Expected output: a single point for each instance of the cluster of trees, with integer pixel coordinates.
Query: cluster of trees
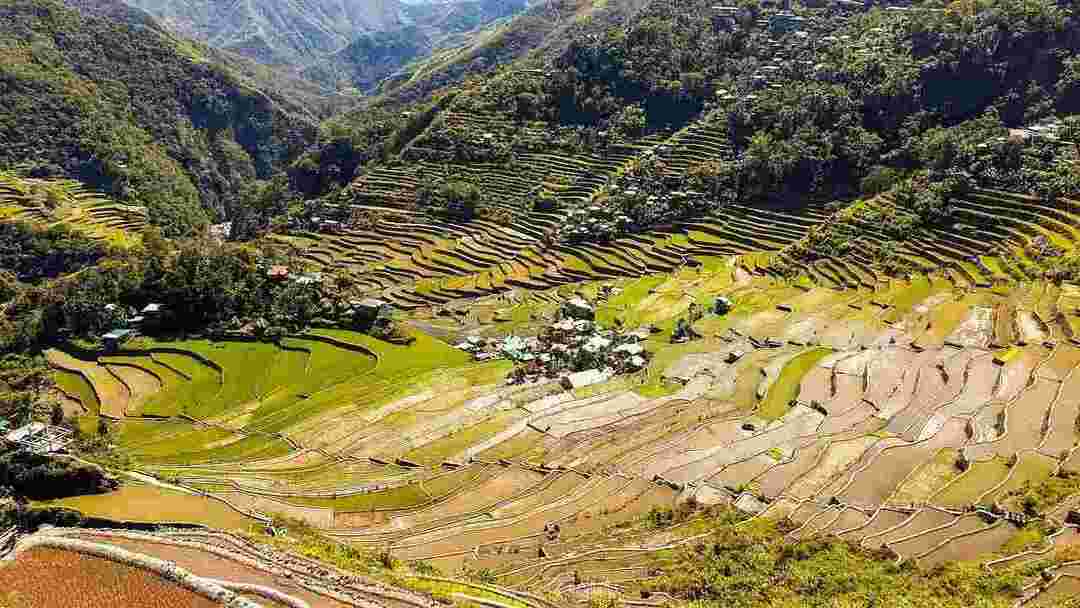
(347, 143)
(458, 197)
(135, 113)
(30, 253)
(204, 284)
(45, 477)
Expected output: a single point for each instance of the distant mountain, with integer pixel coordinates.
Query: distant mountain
(276, 31)
(339, 43)
(372, 57)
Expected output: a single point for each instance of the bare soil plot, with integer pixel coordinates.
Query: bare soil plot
(147, 503)
(1024, 418)
(966, 489)
(928, 479)
(744, 472)
(577, 512)
(972, 546)
(477, 500)
(838, 458)
(888, 373)
(33, 581)
(849, 519)
(208, 565)
(270, 507)
(141, 384)
(918, 545)
(980, 378)
(873, 485)
(1061, 363)
(881, 521)
(937, 386)
(924, 520)
(799, 422)
(777, 479)
(1061, 434)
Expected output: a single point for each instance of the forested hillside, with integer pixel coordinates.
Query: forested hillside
(806, 106)
(135, 112)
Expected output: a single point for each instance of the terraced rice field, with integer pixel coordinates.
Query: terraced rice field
(51, 202)
(884, 410)
(885, 416)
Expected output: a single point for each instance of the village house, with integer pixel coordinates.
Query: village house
(277, 272)
(220, 232)
(40, 438)
(309, 278)
(113, 340)
(370, 310)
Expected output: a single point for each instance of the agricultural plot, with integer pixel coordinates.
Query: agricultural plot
(88, 582)
(895, 416)
(51, 202)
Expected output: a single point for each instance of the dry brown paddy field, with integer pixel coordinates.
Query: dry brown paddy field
(894, 415)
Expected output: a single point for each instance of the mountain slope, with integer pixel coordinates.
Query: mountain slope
(135, 112)
(276, 31)
(338, 43)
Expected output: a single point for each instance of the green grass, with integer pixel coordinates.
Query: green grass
(460, 440)
(447, 590)
(1029, 470)
(410, 495)
(1007, 355)
(269, 390)
(979, 478)
(786, 388)
(752, 565)
(147, 503)
(79, 387)
(908, 295)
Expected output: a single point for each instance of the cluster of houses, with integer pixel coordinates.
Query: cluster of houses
(633, 201)
(573, 349)
(280, 273)
(150, 318)
(1048, 130)
(369, 314)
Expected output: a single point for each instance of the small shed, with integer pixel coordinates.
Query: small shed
(584, 378)
(40, 438)
(153, 309)
(371, 309)
(278, 272)
(116, 337)
(578, 308)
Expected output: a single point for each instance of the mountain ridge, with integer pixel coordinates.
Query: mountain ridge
(338, 43)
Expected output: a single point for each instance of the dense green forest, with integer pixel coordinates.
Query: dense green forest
(132, 111)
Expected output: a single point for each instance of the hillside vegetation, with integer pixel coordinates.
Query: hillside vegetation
(614, 304)
(135, 113)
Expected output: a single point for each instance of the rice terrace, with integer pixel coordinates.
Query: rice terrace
(927, 417)
(499, 304)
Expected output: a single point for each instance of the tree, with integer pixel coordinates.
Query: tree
(631, 121)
